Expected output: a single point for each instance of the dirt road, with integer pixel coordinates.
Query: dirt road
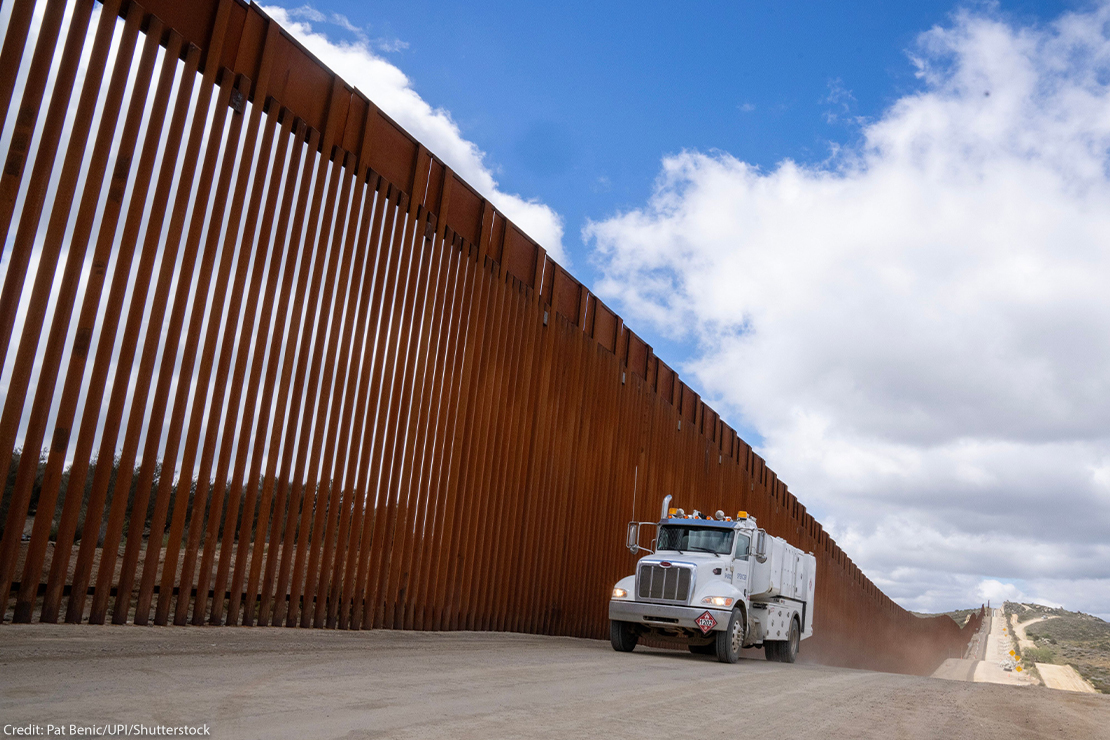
(1064, 678)
(1019, 629)
(292, 683)
(1000, 643)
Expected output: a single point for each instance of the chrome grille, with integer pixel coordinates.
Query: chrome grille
(656, 583)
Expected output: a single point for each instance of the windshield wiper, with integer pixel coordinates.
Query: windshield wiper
(706, 549)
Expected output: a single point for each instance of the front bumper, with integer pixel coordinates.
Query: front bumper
(665, 615)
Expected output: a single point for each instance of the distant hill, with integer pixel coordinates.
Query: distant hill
(1064, 637)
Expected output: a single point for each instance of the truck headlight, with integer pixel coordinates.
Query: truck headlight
(717, 600)
(619, 593)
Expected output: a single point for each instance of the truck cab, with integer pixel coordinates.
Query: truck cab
(718, 583)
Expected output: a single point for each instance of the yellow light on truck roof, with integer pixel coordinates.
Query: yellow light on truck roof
(741, 515)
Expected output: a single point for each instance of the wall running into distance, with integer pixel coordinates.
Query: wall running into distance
(286, 368)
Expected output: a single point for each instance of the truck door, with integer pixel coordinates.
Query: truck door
(741, 563)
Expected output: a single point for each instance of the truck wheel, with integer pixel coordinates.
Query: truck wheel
(788, 652)
(622, 637)
(771, 647)
(710, 649)
(729, 641)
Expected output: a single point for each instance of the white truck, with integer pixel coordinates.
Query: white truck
(719, 584)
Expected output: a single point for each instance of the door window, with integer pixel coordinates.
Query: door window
(743, 542)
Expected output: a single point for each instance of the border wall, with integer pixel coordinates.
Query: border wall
(285, 367)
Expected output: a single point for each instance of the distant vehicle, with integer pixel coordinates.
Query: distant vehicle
(718, 583)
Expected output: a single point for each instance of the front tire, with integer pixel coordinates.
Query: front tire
(730, 641)
(622, 637)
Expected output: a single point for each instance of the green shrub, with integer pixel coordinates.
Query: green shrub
(1039, 655)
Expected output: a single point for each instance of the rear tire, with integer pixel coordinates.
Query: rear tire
(771, 647)
(622, 637)
(788, 653)
(729, 642)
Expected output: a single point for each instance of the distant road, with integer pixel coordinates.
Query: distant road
(1019, 629)
(294, 683)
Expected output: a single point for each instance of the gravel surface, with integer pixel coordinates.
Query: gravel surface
(295, 683)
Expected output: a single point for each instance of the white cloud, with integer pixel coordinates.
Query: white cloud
(357, 62)
(996, 592)
(919, 328)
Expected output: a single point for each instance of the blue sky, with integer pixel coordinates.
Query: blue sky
(872, 235)
(576, 103)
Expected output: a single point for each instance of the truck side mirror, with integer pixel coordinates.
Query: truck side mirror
(761, 546)
(633, 540)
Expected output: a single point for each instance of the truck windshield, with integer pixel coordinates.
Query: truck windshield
(696, 539)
